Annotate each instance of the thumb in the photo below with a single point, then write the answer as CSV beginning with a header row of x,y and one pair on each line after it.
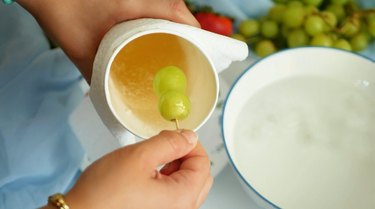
x,y
167,146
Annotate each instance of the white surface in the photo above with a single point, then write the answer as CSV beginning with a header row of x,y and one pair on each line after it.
x,y
227,193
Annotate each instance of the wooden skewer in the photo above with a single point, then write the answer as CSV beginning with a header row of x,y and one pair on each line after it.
x,y
177,124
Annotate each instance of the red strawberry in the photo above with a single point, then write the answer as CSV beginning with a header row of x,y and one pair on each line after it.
x,y
215,23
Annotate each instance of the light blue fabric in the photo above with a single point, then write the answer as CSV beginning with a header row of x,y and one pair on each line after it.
x,y
39,87
8,1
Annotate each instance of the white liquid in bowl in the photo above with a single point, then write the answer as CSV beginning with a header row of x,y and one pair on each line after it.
x,y
309,142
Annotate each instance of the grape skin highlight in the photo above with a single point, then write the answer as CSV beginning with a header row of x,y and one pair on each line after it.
x,y
174,105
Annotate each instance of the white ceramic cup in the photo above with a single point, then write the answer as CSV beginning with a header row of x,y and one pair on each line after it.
x,y
128,58
342,66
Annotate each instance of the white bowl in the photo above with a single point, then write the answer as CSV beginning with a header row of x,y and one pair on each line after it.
x,y
299,129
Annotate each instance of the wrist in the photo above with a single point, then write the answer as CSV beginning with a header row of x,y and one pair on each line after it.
x,y
59,201
72,201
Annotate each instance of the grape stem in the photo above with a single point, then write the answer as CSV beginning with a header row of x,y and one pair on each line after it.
x,y
363,13
253,39
354,15
368,11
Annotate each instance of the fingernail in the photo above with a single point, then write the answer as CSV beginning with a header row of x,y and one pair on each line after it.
x,y
190,136
157,174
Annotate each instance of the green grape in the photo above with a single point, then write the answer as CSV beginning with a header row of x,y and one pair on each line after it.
x,y
338,10
295,4
276,12
239,37
311,10
352,7
285,31
371,16
293,17
331,23
330,19
371,27
174,105
264,48
364,29
340,2
249,27
359,42
269,29
321,40
350,27
314,25
313,2
342,44
169,78
297,38
262,19
281,1
334,36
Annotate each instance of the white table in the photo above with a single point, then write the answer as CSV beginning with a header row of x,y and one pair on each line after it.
x,y
227,193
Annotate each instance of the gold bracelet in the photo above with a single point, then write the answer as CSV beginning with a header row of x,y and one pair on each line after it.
x,y
58,201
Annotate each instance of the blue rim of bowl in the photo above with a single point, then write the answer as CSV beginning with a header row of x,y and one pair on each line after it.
x,y
235,83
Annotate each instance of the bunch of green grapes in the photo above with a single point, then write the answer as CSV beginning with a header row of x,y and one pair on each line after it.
x,y
294,23
170,85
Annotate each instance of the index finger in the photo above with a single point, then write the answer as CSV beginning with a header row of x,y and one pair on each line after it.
x,y
194,169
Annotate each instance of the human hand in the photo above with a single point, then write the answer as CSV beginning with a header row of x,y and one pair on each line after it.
x,y
78,26
127,178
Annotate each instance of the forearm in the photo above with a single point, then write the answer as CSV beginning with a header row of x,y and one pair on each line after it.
x,y
78,26
73,26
